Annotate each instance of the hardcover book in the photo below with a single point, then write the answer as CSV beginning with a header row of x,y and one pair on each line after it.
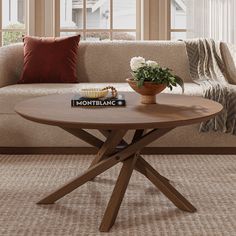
x,y
79,101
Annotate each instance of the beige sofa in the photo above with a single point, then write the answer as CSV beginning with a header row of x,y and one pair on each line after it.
x,y
99,64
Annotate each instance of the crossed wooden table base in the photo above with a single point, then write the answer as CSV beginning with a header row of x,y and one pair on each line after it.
x,y
111,152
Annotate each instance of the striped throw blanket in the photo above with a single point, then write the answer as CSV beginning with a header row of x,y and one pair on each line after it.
x,y
207,69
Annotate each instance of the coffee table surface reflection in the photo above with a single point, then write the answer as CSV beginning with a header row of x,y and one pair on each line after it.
x,y
150,122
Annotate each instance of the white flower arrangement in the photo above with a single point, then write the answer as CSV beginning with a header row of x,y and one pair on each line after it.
x,y
139,62
147,70
136,63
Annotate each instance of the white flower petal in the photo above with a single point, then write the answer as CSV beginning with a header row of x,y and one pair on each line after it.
x,y
136,63
153,64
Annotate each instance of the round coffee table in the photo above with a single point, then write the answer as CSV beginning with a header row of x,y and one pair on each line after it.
x,y
150,122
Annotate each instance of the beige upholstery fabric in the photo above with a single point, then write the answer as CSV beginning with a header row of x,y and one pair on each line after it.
x,y
104,62
109,62
11,95
229,57
11,63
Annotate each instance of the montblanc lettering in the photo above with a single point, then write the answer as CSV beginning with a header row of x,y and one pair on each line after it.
x,y
82,102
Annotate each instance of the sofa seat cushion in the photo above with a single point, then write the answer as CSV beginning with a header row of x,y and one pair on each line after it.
x,y
13,94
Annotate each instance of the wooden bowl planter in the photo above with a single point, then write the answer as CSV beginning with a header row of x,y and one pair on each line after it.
x,y
148,91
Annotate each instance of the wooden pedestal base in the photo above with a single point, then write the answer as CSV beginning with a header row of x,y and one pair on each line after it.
x,y
148,99
111,152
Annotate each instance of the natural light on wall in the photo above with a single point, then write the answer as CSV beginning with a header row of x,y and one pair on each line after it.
x,y
13,24
98,20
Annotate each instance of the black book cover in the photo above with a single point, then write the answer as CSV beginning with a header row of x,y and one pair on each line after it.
x,y
79,101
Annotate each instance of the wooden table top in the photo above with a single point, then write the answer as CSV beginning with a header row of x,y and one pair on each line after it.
x,y
169,112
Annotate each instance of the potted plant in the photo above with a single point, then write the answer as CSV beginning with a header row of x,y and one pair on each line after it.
x,y
149,79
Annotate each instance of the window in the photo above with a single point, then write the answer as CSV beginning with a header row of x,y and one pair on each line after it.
x,y
13,21
98,20
178,19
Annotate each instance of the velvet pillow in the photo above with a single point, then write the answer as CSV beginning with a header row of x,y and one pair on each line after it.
x,y
50,60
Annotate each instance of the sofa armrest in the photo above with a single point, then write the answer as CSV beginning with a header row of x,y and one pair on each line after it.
x,y
11,63
228,52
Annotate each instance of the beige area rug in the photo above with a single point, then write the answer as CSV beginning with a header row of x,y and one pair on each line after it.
x,y
209,182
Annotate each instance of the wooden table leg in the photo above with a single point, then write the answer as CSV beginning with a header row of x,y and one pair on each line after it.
x,y
77,182
85,136
129,155
113,139
103,166
106,133
164,186
118,194
120,187
144,172
138,134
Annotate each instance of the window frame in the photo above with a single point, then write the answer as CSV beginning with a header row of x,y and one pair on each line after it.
x,y
29,28
85,30
173,30
153,21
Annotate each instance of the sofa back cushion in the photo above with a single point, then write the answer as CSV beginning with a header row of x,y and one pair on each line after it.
x,y
109,61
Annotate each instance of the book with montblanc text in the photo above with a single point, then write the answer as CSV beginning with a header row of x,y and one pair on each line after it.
x,y
79,101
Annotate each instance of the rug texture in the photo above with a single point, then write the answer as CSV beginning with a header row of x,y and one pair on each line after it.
x,y
208,182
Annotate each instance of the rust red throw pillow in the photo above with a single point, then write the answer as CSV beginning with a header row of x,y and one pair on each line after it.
x,y
50,60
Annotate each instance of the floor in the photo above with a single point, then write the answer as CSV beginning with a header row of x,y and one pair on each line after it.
x,y
209,182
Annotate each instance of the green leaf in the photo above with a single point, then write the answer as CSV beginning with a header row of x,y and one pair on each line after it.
x,y
140,83
157,75
180,82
